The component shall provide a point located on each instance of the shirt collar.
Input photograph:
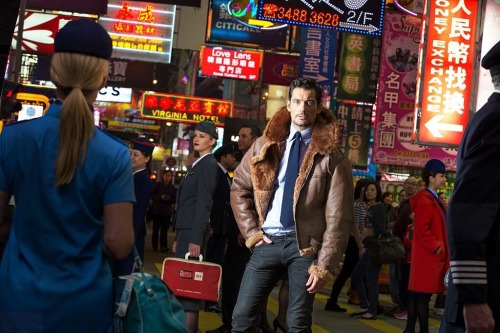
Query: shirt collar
(305, 134)
(199, 159)
(223, 169)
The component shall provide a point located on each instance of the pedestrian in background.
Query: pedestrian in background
(163, 199)
(74, 194)
(353, 252)
(194, 205)
(429, 250)
(141, 154)
(292, 200)
(473, 298)
(365, 274)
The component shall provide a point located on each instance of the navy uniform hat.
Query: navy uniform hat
(84, 36)
(228, 148)
(491, 60)
(435, 166)
(143, 146)
(208, 127)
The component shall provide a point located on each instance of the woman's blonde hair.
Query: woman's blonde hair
(76, 77)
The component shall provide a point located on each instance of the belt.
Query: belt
(286, 237)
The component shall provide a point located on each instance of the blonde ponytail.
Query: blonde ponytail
(76, 76)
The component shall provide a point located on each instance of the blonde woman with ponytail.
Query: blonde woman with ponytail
(73, 187)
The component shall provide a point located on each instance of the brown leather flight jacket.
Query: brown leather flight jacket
(323, 196)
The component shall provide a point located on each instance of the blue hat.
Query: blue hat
(208, 127)
(143, 146)
(228, 148)
(491, 60)
(435, 166)
(84, 36)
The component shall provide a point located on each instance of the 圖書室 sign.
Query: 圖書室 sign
(317, 59)
(186, 109)
(446, 68)
(359, 16)
(230, 63)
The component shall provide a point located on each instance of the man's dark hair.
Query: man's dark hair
(255, 131)
(308, 84)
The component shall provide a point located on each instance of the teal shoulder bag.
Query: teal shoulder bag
(144, 304)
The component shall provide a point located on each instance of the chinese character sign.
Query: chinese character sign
(354, 123)
(396, 97)
(447, 67)
(228, 63)
(187, 109)
(359, 68)
(317, 59)
(140, 30)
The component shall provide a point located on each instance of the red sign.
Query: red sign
(40, 30)
(186, 109)
(446, 70)
(229, 63)
(280, 69)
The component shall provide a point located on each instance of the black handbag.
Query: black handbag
(387, 248)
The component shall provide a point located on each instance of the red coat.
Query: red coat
(428, 268)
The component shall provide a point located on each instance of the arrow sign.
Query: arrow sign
(435, 126)
(317, 77)
(261, 23)
(370, 27)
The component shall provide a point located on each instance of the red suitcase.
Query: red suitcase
(192, 279)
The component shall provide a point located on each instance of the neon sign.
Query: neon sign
(245, 12)
(140, 31)
(187, 109)
(447, 64)
(228, 63)
(357, 16)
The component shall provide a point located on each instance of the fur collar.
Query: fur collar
(324, 135)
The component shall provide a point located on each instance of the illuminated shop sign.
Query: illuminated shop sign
(115, 94)
(40, 30)
(446, 68)
(359, 16)
(186, 109)
(140, 30)
(33, 106)
(229, 63)
(228, 24)
(245, 11)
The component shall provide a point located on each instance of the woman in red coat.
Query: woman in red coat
(429, 255)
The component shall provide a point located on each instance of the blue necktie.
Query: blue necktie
(292, 170)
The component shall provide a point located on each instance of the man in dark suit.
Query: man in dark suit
(473, 300)
(221, 211)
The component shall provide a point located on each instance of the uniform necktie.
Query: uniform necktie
(292, 170)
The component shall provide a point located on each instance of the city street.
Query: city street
(324, 321)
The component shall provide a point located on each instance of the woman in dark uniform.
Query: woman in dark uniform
(194, 204)
(141, 155)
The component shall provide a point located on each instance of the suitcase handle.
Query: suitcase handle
(187, 256)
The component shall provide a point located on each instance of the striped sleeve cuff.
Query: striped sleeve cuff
(465, 272)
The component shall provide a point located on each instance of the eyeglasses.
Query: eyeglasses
(412, 184)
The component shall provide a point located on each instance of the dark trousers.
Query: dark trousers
(418, 309)
(351, 258)
(365, 281)
(216, 248)
(262, 273)
(404, 278)
(235, 261)
(161, 223)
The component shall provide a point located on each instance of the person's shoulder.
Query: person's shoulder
(103, 135)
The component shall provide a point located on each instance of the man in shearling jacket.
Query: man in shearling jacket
(309, 241)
